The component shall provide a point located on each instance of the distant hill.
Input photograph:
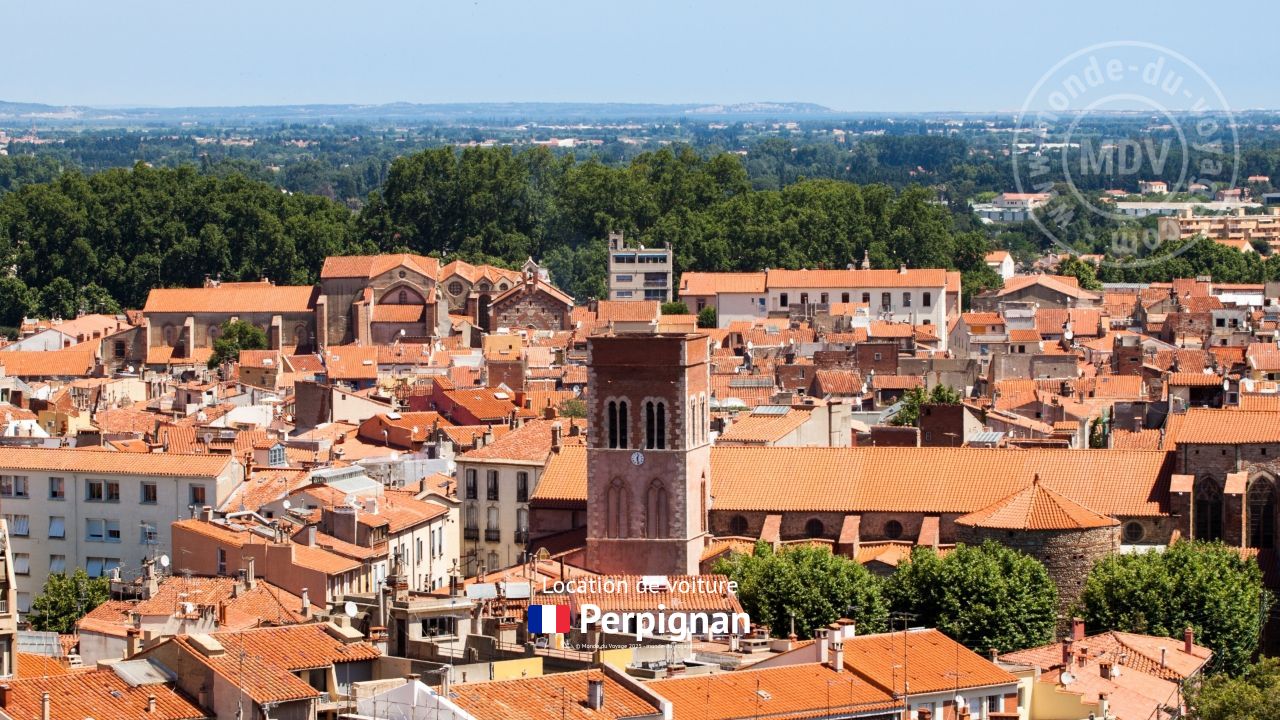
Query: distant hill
(19, 114)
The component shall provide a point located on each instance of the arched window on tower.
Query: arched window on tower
(1208, 509)
(616, 510)
(611, 410)
(655, 425)
(658, 517)
(624, 438)
(1262, 512)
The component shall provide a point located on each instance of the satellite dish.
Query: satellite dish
(286, 504)
(164, 561)
(188, 608)
(1067, 678)
(1068, 334)
(350, 609)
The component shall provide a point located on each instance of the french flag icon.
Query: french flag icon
(548, 619)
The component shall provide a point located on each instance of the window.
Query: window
(737, 525)
(276, 455)
(844, 297)
(893, 529)
(522, 487)
(21, 564)
(57, 488)
(19, 525)
(57, 527)
(814, 528)
(783, 300)
(804, 298)
(196, 493)
(13, 486)
(617, 421)
(655, 425)
(1261, 512)
(100, 566)
(57, 563)
(624, 293)
(149, 536)
(113, 491)
(906, 299)
(822, 298)
(993, 703)
(491, 484)
(471, 485)
(471, 517)
(119, 348)
(491, 518)
(866, 298)
(24, 602)
(93, 490)
(622, 278)
(94, 529)
(149, 496)
(1134, 532)
(113, 530)
(222, 561)
(438, 626)
(886, 300)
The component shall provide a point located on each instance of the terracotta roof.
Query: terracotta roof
(997, 256)
(368, 266)
(109, 618)
(936, 660)
(705, 283)
(982, 318)
(1259, 403)
(83, 461)
(483, 403)
(351, 362)
(791, 692)
(1062, 284)
(535, 285)
(465, 435)
(126, 420)
(232, 298)
(531, 442)
(896, 382)
(1036, 507)
(926, 278)
(628, 311)
(31, 665)
(837, 382)
(96, 693)
(1143, 653)
(392, 313)
(763, 429)
(75, 361)
(880, 329)
(557, 696)
(1024, 335)
(887, 479)
(1085, 322)
(1209, 426)
(1194, 379)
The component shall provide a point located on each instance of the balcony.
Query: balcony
(522, 537)
(471, 533)
(492, 535)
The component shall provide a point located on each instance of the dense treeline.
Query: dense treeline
(102, 241)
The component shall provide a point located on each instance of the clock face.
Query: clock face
(637, 458)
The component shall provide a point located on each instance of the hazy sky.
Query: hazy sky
(872, 56)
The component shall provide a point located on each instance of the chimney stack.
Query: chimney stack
(1077, 629)
(250, 578)
(1105, 669)
(151, 703)
(132, 641)
(1188, 639)
(1066, 652)
(311, 536)
(835, 649)
(555, 437)
(44, 705)
(1104, 705)
(306, 605)
(595, 694)
(206, 513)
(1164, 652)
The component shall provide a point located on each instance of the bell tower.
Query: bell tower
(648, 452)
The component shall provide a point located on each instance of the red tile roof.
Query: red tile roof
(558, 696)
(785, 279)
(699, 283)
(1209, 426)
(75, 361)
(226, 298)
(1036, 507)
(392, 313)
(756, 429)
(97, 693)
(807, 690)
(85, 461)
(529, 443)
(351, 362)
(627, 311)
(368, 266)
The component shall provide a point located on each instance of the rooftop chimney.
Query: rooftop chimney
(555, 437)
(1105, 669)
(1104, 705)
(206, 513)
(311, 536)
(1188, 639)
(44, 705)
(1077, 629)
(250, 578)
(1164, 652)
(1066, 652)
(132, 641)
(595, 694)
(835, 652)
(151, 703)
(306, 604)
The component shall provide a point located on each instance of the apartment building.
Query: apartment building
(100, 510)
(1235, 228)
(496, 482)
(639, 273)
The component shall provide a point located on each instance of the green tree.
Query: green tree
(675, 308)
(66, 598)
(1254, 694)
(913, 399)
(236, 335)
(984, 596)
(16, 301)
(573, 408)
(707, 318)
(1085, 272)
(806, 584)
(59, 299)
(1206, 586)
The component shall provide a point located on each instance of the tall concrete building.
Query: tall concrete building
(648, 453)
(639, 273)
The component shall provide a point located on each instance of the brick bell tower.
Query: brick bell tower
(648, 452)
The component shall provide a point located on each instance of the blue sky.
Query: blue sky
(856, 56)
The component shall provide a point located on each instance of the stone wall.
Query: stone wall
(536, 310)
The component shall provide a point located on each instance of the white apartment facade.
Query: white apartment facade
(639, 273)
(69, 509)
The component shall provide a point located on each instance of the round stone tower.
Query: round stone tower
(1065, 536)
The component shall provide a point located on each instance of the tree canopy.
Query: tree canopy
(236, 335)
(985, 596)
(809, 585)
(1254, 694)
(65, 599)
(1206, 586)
(913, 399)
